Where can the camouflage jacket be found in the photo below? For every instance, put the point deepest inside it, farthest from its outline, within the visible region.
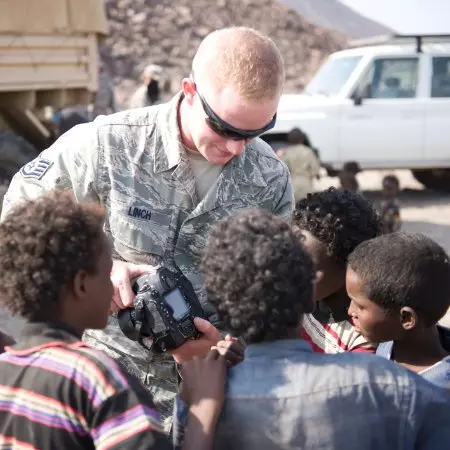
(133, 163)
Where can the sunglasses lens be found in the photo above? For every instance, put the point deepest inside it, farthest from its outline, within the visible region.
(221, 131)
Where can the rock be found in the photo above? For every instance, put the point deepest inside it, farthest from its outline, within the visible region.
(168, 32)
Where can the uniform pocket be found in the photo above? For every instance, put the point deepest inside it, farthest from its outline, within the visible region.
(140, 228)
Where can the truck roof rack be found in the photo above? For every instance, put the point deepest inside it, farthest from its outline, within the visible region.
(400, 38)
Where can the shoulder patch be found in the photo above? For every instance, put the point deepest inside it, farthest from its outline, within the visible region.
(36, 169)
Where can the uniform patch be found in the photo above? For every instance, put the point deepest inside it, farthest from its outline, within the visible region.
(139, 213)
(36, 169)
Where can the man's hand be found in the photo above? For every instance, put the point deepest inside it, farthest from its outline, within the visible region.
(121, 275)
(200, 347)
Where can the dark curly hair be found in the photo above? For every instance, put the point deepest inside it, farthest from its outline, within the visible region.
(339, 218)
(257, 275)
(405, 269)
(43, 244)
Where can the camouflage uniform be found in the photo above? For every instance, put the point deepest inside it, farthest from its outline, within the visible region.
(303, 165)
(134, 164)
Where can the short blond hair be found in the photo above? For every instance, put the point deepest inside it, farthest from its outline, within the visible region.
(243, 58)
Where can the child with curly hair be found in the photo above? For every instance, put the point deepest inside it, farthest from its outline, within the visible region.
(56, 392)
(331, 224)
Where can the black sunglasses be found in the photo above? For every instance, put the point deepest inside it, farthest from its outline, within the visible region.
(226, 130)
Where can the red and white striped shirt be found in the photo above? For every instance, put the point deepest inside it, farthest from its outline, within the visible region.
(334, 337)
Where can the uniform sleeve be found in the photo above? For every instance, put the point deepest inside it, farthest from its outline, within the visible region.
(70, 163)
(128, 420)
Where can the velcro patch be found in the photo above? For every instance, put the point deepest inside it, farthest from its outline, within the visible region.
(36, 169)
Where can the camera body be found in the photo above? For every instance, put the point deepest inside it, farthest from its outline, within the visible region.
(164, 309)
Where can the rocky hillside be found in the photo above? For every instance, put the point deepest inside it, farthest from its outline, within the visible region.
(335, 15)
(168, 32)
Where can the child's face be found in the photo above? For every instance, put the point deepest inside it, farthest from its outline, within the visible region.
(98, 291)
(370, 319)
(390, 189)
(330, 276)
(348, 181)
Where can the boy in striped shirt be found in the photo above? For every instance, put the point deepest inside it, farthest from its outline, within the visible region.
(331, 224)
(56, 392)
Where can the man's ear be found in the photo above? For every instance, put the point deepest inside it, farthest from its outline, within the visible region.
(408, 318)
(189, 91)
(79, 284)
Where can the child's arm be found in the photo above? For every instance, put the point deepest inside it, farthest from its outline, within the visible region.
(5, 341)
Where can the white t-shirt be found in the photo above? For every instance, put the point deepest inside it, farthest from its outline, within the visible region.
(205, 173)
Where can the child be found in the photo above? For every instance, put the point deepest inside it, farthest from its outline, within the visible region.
(389, 206)
(331, 224)
(347, 177)
(56, 392)
(399, 285)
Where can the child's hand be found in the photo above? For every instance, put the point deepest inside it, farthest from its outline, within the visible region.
(204, 380)
(233, 349)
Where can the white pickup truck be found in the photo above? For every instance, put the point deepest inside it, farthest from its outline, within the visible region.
(384, 104)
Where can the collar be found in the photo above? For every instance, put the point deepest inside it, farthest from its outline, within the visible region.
(38, 335)
(169, 150)
(282, 347)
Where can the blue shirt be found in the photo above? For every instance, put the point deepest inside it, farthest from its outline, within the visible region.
(284, 396)
(439, 373)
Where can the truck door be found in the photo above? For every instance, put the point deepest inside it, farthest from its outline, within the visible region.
(384, 126)
(437, 114)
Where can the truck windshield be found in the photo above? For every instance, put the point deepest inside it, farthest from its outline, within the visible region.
(332, 76)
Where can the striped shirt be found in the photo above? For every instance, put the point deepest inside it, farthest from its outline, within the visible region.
(56, 392)
(328, 336)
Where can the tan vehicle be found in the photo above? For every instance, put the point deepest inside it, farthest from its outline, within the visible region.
(48, 60)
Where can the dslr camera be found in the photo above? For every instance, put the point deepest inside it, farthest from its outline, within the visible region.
(165, 305)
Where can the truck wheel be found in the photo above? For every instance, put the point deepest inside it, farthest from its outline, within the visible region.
(14, 153)
(438, 179)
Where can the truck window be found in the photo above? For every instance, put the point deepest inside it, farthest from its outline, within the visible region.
(391, 78)
(332, 76)
(440, 81)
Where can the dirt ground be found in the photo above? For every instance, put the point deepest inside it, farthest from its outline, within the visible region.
(422, 211)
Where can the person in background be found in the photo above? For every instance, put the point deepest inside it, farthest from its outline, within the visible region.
(57, 392)
(389, 208)
(347, 177)
(149, 93)
(399, 286)
(302, 161)
(331, 224)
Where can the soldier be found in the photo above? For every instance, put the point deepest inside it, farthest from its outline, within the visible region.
(167, 173)
(149, 93)
(302, 162)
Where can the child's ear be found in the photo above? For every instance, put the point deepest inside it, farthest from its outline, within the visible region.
(408, 318)
(79, 284)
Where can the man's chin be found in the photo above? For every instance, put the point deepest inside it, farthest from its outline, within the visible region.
(219, 159)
